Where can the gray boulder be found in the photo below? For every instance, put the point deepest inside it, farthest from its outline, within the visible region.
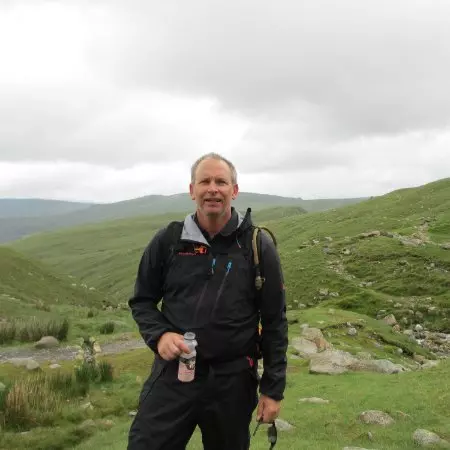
(47, 342)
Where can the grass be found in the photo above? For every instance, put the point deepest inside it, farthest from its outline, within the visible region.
(415, 399)
(318, 251)
(105, 256)
(32, 330)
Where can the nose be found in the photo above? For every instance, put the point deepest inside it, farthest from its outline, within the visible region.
(212, 187)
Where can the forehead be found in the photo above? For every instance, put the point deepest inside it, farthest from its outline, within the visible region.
(213, 168)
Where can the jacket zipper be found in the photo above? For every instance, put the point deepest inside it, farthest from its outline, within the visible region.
(202, 294)
(220, 290)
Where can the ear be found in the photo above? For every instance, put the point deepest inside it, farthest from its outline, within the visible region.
(235, 191)
(191, 191)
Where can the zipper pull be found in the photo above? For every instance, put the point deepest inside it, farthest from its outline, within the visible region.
(229, 266)
(213, 264)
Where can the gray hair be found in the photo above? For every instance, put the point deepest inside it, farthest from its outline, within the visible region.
(219, 158)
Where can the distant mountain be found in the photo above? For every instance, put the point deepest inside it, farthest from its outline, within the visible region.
(31, 207)
(67, 214)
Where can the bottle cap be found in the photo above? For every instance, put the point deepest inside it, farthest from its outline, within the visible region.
(189, 336)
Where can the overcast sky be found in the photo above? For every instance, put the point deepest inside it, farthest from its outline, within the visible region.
(104, 100)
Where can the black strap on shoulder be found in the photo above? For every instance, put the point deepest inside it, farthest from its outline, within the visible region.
(169, 240)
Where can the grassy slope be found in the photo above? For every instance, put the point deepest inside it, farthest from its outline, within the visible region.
(27, 282)
(417, 399)
(106, 255)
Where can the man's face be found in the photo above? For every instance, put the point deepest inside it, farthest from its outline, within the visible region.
(213, 189)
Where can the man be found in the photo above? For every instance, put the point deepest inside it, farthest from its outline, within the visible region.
(206, 281)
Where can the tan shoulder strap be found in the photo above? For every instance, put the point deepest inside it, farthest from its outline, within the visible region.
(259, 280)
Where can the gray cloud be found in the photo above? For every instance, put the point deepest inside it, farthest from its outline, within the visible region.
(108, 99)
(369, 67)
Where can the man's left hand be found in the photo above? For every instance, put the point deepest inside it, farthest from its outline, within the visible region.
(268, 409)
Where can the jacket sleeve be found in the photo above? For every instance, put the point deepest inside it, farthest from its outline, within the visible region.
(148, 290)
(274, 335)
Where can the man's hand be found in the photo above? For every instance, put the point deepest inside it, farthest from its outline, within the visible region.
(268, 409)
(171, 345)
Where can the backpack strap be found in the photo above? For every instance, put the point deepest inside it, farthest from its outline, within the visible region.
(256, 247)
(169, 241)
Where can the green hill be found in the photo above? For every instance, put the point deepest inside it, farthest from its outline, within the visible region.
(44, 215)
(27, 286)
(322, 253)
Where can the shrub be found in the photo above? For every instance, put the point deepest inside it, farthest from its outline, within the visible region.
(105, 371)
(63, 330)
(31, 402)
(8, 332)
(107, 327)
(90, 314)
(86, 373)
(34, 329)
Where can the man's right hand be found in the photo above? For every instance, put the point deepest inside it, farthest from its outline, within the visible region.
(171, 345)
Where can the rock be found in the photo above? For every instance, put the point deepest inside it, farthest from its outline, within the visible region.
(375, 233)
(334, 294)
(132, 413)
(282, 425)
(408, 332)
(88, 424)
(390, 320)
(19, 362)
(398, 305)
(315, 335)
(105, 424)
(374, 417)
(418, 328)
(301, 306)
(87, 406)
(346, 251)
(330, 362)
(55, 366)
(352, 331)
(304, 347)
(419, 315)
(399, 351)
(364, 355)
(32, 365)
(47, 342)
(426, 438)
(328, 238)
(376, 365)
(430, 364)
(419, 358)
(446, 246)
(411, 242)
(324, 292)
(314, 400)
(355, 448)
(396, 328)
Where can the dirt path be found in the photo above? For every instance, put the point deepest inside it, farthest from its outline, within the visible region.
(67, 352)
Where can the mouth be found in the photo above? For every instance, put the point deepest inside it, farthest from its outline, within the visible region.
(213, 201)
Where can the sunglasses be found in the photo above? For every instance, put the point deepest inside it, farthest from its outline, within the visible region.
(271, 434)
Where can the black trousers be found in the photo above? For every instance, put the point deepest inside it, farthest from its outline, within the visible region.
(169, 410)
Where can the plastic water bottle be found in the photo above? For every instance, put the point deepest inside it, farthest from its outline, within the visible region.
(186, 366)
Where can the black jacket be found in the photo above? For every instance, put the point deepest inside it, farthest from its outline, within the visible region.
(207, 286)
